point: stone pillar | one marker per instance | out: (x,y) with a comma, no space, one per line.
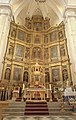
(70,29)
(5,19)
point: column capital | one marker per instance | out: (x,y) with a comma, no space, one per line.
(70,11)
(5,10)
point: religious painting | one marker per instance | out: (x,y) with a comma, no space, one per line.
(38,26)
(21,35)
(19,50)
(37,53)
(13,32)
(17,74)
(62,50)
(27,53)
(28,38)
(25,76)
(37,39)
(64,72)
(46,53)
(53,36)
(7,74)
(60,34)
(54,52)
(55,74)
(45,38)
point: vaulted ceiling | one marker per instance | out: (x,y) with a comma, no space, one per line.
(53,9)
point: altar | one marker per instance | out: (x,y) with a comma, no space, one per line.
(35,93)
(36,89)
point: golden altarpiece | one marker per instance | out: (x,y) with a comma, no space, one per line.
(37,56)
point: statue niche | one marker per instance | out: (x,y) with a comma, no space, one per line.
(13,32)
(47,77)
(17,74)
(11,50)
(36,53)
(7,74)
(25,76)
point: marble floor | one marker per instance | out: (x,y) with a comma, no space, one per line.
(41,118)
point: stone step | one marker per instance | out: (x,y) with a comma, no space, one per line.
(12,107)
(12,113)
(38,109)
(36,113)
(59,113)
(17,103)
(15,110)
(60,108)
(36,105)
(35,102)
(31,108)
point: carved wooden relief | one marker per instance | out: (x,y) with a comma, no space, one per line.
(46,53)
(62,50)
(60,34)
(27,53)
(45,38)
(36,53)
(28,38)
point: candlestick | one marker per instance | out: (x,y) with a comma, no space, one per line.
(67,83)
(23,86)
(50,86)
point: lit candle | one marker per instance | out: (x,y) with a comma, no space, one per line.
(47,93)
